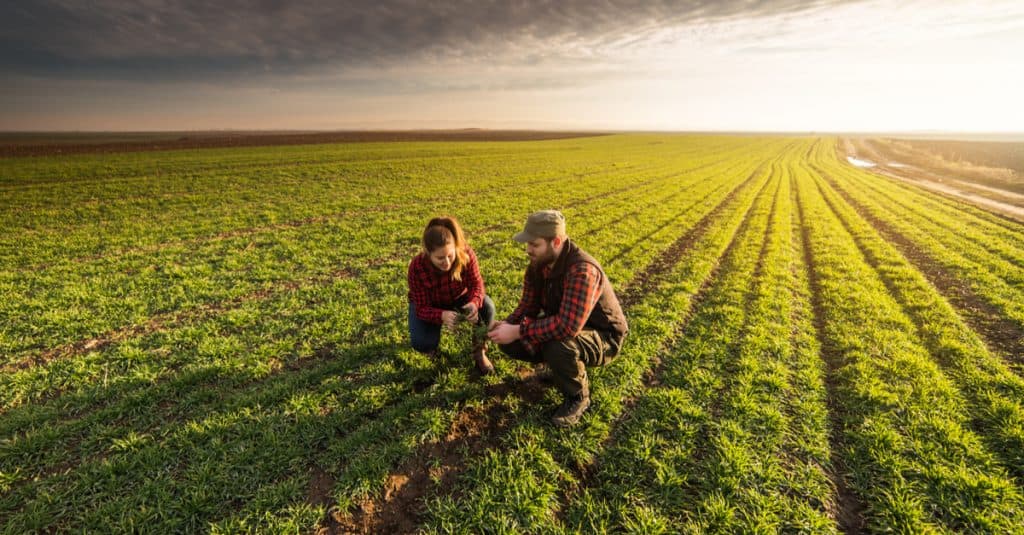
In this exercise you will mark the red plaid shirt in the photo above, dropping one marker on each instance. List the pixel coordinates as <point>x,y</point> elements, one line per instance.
<point>581,290</point>
<point>433,291</point>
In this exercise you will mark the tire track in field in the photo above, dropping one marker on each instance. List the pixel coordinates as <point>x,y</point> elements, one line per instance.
<point>950,201</point>
<point>927,205</point>
<point>848,508</point>
<point>406,509</point>
<point>1001,334</point>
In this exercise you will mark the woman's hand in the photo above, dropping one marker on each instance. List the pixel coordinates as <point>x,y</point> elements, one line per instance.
<point>472,313</point>
<point>449,318</point>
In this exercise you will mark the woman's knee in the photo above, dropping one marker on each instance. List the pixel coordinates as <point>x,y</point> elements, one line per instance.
<point>423,336</point>
<point>488,311</point>
<point>423,347</point>
<point>424,342</point>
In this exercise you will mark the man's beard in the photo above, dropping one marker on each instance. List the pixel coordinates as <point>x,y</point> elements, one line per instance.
<point>542,260</point>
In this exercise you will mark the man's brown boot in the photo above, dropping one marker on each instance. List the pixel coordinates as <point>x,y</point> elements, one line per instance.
<point>571,410</point>
<point>480,357</point>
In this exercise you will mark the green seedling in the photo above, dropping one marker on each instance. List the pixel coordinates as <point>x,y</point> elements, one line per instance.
<point>216,341</point>
<point>477,331</point>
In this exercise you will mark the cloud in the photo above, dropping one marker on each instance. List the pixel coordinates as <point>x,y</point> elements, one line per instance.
<point>184,39</point>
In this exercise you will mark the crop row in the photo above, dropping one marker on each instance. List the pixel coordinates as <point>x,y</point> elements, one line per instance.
<point>259,400</point>
<point>518,486</point>
<point>180,204</point>
<point>988,260</point>
<point>906,441</point>
<point>76,301</point>
<point>732,435</point>
<point>993,394</point>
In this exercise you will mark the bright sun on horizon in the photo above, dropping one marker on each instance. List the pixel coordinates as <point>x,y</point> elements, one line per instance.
<point>826,66</point>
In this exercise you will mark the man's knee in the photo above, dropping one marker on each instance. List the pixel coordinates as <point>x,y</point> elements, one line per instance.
<point>560,350</point>
<point>589,347</point>
<point>518,351</point>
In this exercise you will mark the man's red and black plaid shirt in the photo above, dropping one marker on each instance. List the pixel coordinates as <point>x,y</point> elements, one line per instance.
<point>433,291</point>
<point>581,288</point>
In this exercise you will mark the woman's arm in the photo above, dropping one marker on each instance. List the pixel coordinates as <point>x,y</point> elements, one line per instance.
<point>419,296</point>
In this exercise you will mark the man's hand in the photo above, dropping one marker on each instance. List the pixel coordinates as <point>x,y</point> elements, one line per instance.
<point>472,314</point>
<point>503,333</point>
<point>449,318</point>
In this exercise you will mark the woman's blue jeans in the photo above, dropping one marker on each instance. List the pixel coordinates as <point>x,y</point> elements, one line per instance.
<point>425,337</point>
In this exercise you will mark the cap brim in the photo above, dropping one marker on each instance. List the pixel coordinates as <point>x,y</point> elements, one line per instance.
<point>524,237</point>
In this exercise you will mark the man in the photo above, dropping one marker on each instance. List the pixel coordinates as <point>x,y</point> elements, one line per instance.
<point>568,316</point>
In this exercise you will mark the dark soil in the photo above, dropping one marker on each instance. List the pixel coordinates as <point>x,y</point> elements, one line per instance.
<point>15,145</point>
<point>435,466</point>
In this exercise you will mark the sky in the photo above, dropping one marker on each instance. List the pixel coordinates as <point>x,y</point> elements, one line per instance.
<point>693,65</point>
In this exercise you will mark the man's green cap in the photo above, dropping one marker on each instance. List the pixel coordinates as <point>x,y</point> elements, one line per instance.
<point>542,224</point>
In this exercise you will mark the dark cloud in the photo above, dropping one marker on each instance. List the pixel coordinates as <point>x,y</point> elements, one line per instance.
<point>188,39</point>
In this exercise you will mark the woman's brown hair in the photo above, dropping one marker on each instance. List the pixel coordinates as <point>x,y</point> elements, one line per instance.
<point>441,231</point>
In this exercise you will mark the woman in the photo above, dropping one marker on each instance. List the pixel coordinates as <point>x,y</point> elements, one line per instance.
<point>444,280</point>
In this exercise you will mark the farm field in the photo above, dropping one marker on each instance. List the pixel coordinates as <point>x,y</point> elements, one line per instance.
<point>215,340</point>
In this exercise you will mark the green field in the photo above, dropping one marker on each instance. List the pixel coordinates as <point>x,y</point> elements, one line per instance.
<point>215,340</point>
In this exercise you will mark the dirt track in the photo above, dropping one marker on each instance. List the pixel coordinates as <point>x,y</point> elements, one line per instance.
<point>14,145</point>
<point>1003,202</point>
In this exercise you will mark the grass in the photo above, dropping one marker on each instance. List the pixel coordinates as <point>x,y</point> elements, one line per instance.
<point>215,340</point>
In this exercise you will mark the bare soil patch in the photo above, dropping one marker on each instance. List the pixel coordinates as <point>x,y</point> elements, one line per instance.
<point>435,466</point>
<point>15,145</point>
